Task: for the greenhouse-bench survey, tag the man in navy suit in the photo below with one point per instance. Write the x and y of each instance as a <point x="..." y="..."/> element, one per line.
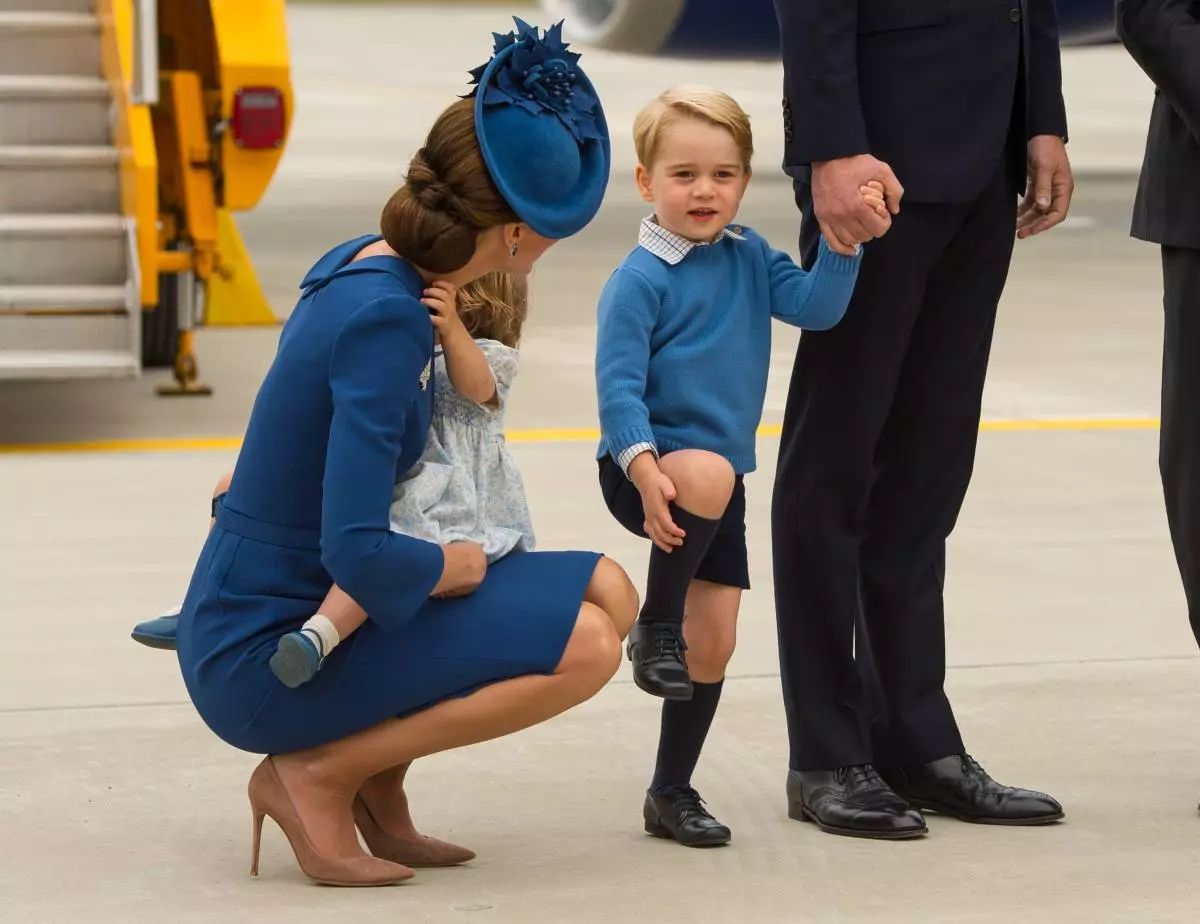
<point x="1163" y="36"/>
<point x="954" y="106"/>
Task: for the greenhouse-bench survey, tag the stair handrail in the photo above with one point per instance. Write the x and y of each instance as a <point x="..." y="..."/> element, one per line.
<point x="145" y="52"/>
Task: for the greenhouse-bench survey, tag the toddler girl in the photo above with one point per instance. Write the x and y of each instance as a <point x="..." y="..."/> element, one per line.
<point x="466" y="487"/>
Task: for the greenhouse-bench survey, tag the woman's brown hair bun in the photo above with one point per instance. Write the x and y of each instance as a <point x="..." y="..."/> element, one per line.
<point x="447" y="199"/>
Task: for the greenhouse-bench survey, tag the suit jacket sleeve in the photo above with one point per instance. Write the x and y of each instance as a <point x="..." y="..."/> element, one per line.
<point x="374" y="370"/>
<point x="1163" y="36"/>
<point x="823" y="117"/>
<point x="1047" y="112"/>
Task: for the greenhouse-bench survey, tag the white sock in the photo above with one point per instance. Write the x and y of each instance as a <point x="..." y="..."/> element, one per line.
<point x="326" y="634"/>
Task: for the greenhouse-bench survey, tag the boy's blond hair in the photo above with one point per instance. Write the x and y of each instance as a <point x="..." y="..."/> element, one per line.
<point x="494" y="307"/>
<point x="690" y="102"/>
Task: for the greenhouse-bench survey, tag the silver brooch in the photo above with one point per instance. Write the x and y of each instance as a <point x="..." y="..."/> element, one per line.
<point x="425" y="373"/>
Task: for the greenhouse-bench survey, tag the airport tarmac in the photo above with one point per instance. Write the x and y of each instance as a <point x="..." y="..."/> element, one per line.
<point x="1071" y="665"/>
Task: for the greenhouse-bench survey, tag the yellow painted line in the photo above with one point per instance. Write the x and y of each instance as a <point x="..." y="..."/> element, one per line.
<point x="550" y="435"/>
<point x="166" y="444"/>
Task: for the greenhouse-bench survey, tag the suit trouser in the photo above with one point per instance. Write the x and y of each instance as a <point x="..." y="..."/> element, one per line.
<point x="1179" y="438"/>
<point x="876" y="455"/>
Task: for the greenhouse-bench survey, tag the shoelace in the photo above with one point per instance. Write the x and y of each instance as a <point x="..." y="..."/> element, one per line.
<point x="665" y="642"/>
<point x="686" y="801"/>
<point x="863" y="775"/>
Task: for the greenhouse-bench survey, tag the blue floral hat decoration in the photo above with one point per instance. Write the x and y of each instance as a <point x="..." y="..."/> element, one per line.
<point x="542" y="130"/>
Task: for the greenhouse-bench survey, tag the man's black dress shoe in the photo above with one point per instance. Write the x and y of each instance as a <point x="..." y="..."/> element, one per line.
<point x="959" y="787"/>
<point x="678" y="812"/>
<point x="656" y="650"/>
<point x="853" y="801"/>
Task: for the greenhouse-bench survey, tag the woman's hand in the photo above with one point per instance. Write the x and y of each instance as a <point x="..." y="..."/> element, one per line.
<point x="463" y="572"/>
<point x="441" y="298"/>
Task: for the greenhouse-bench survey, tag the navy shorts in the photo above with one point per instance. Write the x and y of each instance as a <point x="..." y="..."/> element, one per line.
<point x="726" y="561"/>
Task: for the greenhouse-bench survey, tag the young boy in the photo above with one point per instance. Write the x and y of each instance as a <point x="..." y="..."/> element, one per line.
<point x="683" y="350"/>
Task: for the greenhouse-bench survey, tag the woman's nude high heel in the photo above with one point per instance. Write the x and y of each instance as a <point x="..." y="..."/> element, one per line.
<point x="269" y="797"/>
<point x="420" y="851"/>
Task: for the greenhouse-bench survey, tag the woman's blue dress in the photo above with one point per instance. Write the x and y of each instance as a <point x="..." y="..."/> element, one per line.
<point x="342" y="413"/>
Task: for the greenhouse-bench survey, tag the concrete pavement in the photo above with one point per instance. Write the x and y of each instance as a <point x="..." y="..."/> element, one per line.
<point x="1071" y="665"/>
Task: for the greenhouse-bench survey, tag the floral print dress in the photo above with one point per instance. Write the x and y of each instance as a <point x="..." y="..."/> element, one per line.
<point x="466" y="486"/>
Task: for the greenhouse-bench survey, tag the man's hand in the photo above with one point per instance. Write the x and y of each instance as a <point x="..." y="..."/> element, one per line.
<point x="463" y="572"/>
<point x="1051" y="186"/>
<point x="846" y="220"/>
<point x="657" y="491"/>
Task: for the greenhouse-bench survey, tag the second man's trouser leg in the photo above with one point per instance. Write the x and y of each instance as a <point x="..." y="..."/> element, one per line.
<point x="1179" y="439"/>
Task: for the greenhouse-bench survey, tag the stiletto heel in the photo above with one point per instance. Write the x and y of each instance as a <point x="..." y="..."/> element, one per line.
<point x="268" y="796"/>
<point x="256" y="837"/>
<point x="420" y="851"/>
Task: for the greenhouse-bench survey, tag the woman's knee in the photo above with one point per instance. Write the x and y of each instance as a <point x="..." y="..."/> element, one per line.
<point x="223" y="484"/>
<point x="612" y="591"/>
<point x="703" y="481"/>
<point x="593" y="651"/>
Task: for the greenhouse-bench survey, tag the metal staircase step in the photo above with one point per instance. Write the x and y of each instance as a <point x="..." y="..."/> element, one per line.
<point x="31" y="365"/>
<point x="59" y="179"/>
<point x="46" y="110"/>
<point x="32" y="249"/>
<point x="57" y="346"/>
<point x="48" y="6"/>
<point x="54" y="42"/>
<point x="58" y="299"/>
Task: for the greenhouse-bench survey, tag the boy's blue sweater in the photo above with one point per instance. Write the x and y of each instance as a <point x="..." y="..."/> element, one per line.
<point x="683" y="350"/>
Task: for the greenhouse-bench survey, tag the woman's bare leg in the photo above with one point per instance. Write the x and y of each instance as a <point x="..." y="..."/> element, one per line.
<point x="610" y="590"/>
<point x="323" y="781"/>
<point x="222" y="485"/>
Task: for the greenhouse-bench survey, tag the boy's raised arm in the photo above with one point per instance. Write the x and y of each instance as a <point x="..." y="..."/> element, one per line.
<point x="816" y="299"/>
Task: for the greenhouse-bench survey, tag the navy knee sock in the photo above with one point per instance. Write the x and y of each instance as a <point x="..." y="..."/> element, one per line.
<point x="685" y="725"/>
<point x="671" y="572"/>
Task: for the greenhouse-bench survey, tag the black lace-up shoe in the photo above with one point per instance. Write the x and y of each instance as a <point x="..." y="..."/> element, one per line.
<point x="959" y="787"/>
<point x="656" y="650"/>
<point x="678" y="812"/>
<point x="853" y="801"/>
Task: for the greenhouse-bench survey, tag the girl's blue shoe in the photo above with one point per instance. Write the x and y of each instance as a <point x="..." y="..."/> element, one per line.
<point x="160" y="632"/>
<point x="298" y="658"/>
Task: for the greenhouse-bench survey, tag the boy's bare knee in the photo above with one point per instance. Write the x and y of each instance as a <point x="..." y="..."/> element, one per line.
<point x="703" y="481"/>
<point x="709" y="657"/>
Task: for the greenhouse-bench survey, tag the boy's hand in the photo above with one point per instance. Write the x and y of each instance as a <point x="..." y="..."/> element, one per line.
<point x="441" y="298"/>
<point x="873" y="198"/>
<point x="657" y="491"/>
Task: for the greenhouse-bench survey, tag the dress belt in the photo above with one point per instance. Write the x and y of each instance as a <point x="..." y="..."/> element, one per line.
<point x="290" y="537"/>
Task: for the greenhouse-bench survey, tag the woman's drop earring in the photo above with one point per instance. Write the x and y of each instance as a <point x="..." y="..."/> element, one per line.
<point x="512" y="251"/>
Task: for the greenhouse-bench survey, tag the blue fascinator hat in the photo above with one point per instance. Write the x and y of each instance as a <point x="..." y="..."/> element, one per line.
<point x="542" y="130"/>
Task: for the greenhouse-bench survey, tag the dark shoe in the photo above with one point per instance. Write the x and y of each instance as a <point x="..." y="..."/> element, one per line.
<point x="959" y="787"/>
<point x="678" y="812"/>
<point x="853" y="801"/>
<point x="158" y="633"/>
<point x="656" y="650"/>
<point x="297" y="658"/>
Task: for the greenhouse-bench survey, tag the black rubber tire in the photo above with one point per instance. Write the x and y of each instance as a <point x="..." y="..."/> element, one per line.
<point x="160" y="326"/>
